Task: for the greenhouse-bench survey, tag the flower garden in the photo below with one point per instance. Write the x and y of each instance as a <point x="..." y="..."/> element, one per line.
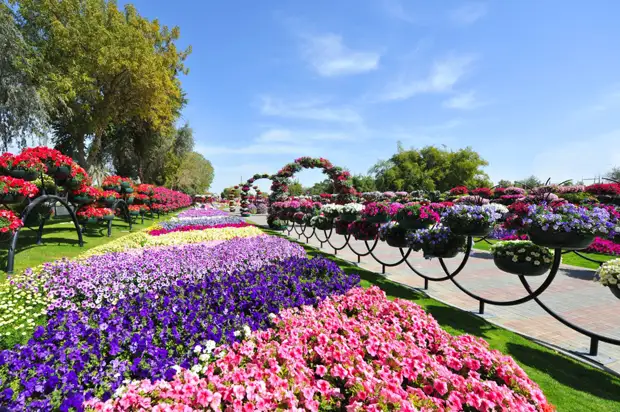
<point x="205" y="311"/>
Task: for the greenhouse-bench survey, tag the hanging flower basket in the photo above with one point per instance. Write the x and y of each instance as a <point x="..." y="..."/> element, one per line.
<point x="9" y="199"/>
<point x="560" y="240"/>
<point x="88" y="221"/>
<point x="298" y="217"/>
<point x="473" y="229"/>
<point x="521" y="257"/>
<point x="61" y="173"/>
<point x="322" y="222"/>
<point x="437" y="241"/>
<point x="363" y="230"/>
<point x="107" y="217"/>
<point x="379" y="218"/>
<point x="126" y="185"/>
<point x="413" y="224"/>
<point x="127" y="190"/>
<point x="615" y="290"/>
<point x="469" y="220"/>
<point x="348" y="217"/>
<point x="432" y="252"/>
<point x="130" y="200"/>
<point x="341" y="226"/>
<point x="397" y="238"/>
<point x="9" y="222"/>
<point x="506" y="264"/>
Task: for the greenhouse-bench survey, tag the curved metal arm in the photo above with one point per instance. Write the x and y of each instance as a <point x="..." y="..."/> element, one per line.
<point x="124" y="208"/>
<point x="595" y="337"/>
<point x="346" y="243"/>
<point x="598" y="262"/>
<point x="483" y="239"/>
<point x="557" y="259"/>
<point x="404" y="257"/>
<point x="13" y="244"/>
<point x="422" y="275"/>
<point x="370" y="249"/>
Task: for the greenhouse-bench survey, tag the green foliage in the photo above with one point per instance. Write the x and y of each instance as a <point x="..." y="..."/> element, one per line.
<point x="101" y="66"/>
<point x="529" y="182"/>
<point x="579" y="198"/>
<point x="295" y="189"/>
<point x="22" y="110"/>
<point x="504" y="183"/>
<point x="194" y="174"/>
<point x="430" y="168"/>
<point x="614" y="174"/>
<point x="325" y="186"/>
<point x="364" y="183"/>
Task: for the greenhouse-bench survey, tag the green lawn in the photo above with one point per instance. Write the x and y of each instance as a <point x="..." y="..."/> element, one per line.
<point x="568" y="259"/>
<point x="569" y="384"/>
<point x="60" y="240"/>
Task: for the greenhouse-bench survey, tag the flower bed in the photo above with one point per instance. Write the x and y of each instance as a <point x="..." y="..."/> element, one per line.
<point x="187" y="221"/>
<point x="146" y="335"/>
<point x="604" y="246"/>
<point x="357" y="352"/>
<point x="202" y="213"/>
<point x="187" y="228"/>
<point x="143" y="239"/>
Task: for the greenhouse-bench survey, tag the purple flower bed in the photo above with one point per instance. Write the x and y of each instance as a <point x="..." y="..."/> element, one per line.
<point x="201" y="221"/>
<point x="202" y="213"/>
<point x="80" y="355"/>
<point x="104" y="279"/>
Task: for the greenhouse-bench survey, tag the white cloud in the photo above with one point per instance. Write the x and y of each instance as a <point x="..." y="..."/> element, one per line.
<point x="278" y="135"/>
<point x="576" y="159"/>
<point x="253" y="149"/>
<point x="463" y="101"/>
<point x="468" y="13"/>
<point x="608" y="101"/>
<point x="444" y="74"/>
<point x="311" y="109"/>
<point x="330" y="57"/>
<point x="395" y="9"/>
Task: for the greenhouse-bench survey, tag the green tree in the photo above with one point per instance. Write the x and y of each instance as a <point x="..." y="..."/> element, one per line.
<point x="194" y="175"/>
<point x="529" y="182"/>
<point x="504" y="183"/>
<point x="295" y="189"/>
<point x="430" y="168"/>
<point x="363" y="183"/>
<point x="614" y="174"/>
<point x="102" y="66"/>
<point x="22" y="110"/>
<point x="324" y="186"/>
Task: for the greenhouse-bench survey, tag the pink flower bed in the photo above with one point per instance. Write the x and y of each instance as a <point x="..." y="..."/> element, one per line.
<point x="187" y="228"/>
<point x="605" y="246"/>
<point x="356" y="352"/>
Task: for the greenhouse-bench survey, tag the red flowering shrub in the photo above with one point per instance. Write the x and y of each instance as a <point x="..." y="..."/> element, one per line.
<point x="483" y="192"/>
<point x="610" y="189"/>
<point x="459" y="190"/>
<point x="145" y="189"/>
<point x="51" y="157"/>
<point x="93" y="212"/>
<point x="110" y="193"/>
<point x="9" y="221"/>
<point x="604" y="246"/>
<point x="86" y="190"/>
<point x="111" y="181"/>
<point x="10" y="185"/>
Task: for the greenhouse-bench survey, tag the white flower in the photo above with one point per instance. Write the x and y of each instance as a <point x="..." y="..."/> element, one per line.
<point x="515" y="258"/>
<point x="537" y="262"/>
<point x="197" y="349"/>
<point x="247" y="331"/>
<point x="196" y="368"/>
<point x="528" y="259"/>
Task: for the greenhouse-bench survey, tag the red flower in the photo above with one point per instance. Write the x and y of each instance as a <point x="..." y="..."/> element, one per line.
<point x="9" y="222"/>
<point x="459" y="190"/>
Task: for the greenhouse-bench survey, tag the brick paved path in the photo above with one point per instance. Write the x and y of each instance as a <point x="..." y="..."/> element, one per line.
<point x="573" y="295"/>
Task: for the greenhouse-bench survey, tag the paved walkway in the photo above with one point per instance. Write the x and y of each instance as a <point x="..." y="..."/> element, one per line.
<point x="573" y="295"/>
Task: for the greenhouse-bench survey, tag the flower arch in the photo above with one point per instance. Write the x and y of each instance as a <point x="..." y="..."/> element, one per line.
<point x="245" y="190"/>
<point x="341" y="179"/>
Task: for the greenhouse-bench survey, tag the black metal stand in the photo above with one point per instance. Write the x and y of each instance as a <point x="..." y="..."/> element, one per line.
<point x="532" y="295"/>
<point x="31" y="206"/>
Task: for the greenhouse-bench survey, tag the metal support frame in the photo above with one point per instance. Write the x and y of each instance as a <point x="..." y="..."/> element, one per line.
<point x="531" y="294"/>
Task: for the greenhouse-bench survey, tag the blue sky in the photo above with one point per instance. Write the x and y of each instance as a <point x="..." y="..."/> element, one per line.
<point x="534" y="86"/>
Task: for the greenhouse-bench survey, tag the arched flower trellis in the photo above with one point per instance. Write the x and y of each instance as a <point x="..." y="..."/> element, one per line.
<point x="341" y="179"/>
<point x="245" y="190"/>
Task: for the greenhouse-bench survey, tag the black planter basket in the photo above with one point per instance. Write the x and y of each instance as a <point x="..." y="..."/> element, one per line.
<point x="341" y="229"/>
<point x="615" y="290"/>
<point x="10" y="199"/>
<point x="443" y="253"/>
<point x="413" y="224"/>
<point x="560" y="240"/>
<point x="472" y="229"/>
<point x="397" y="240"/>
<point x="326" y="225"/>
<point x="348" y="217"/>
<point x="506" y="264"/>
<point x="380" y="218"/>
<point x="81" y="200"/>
